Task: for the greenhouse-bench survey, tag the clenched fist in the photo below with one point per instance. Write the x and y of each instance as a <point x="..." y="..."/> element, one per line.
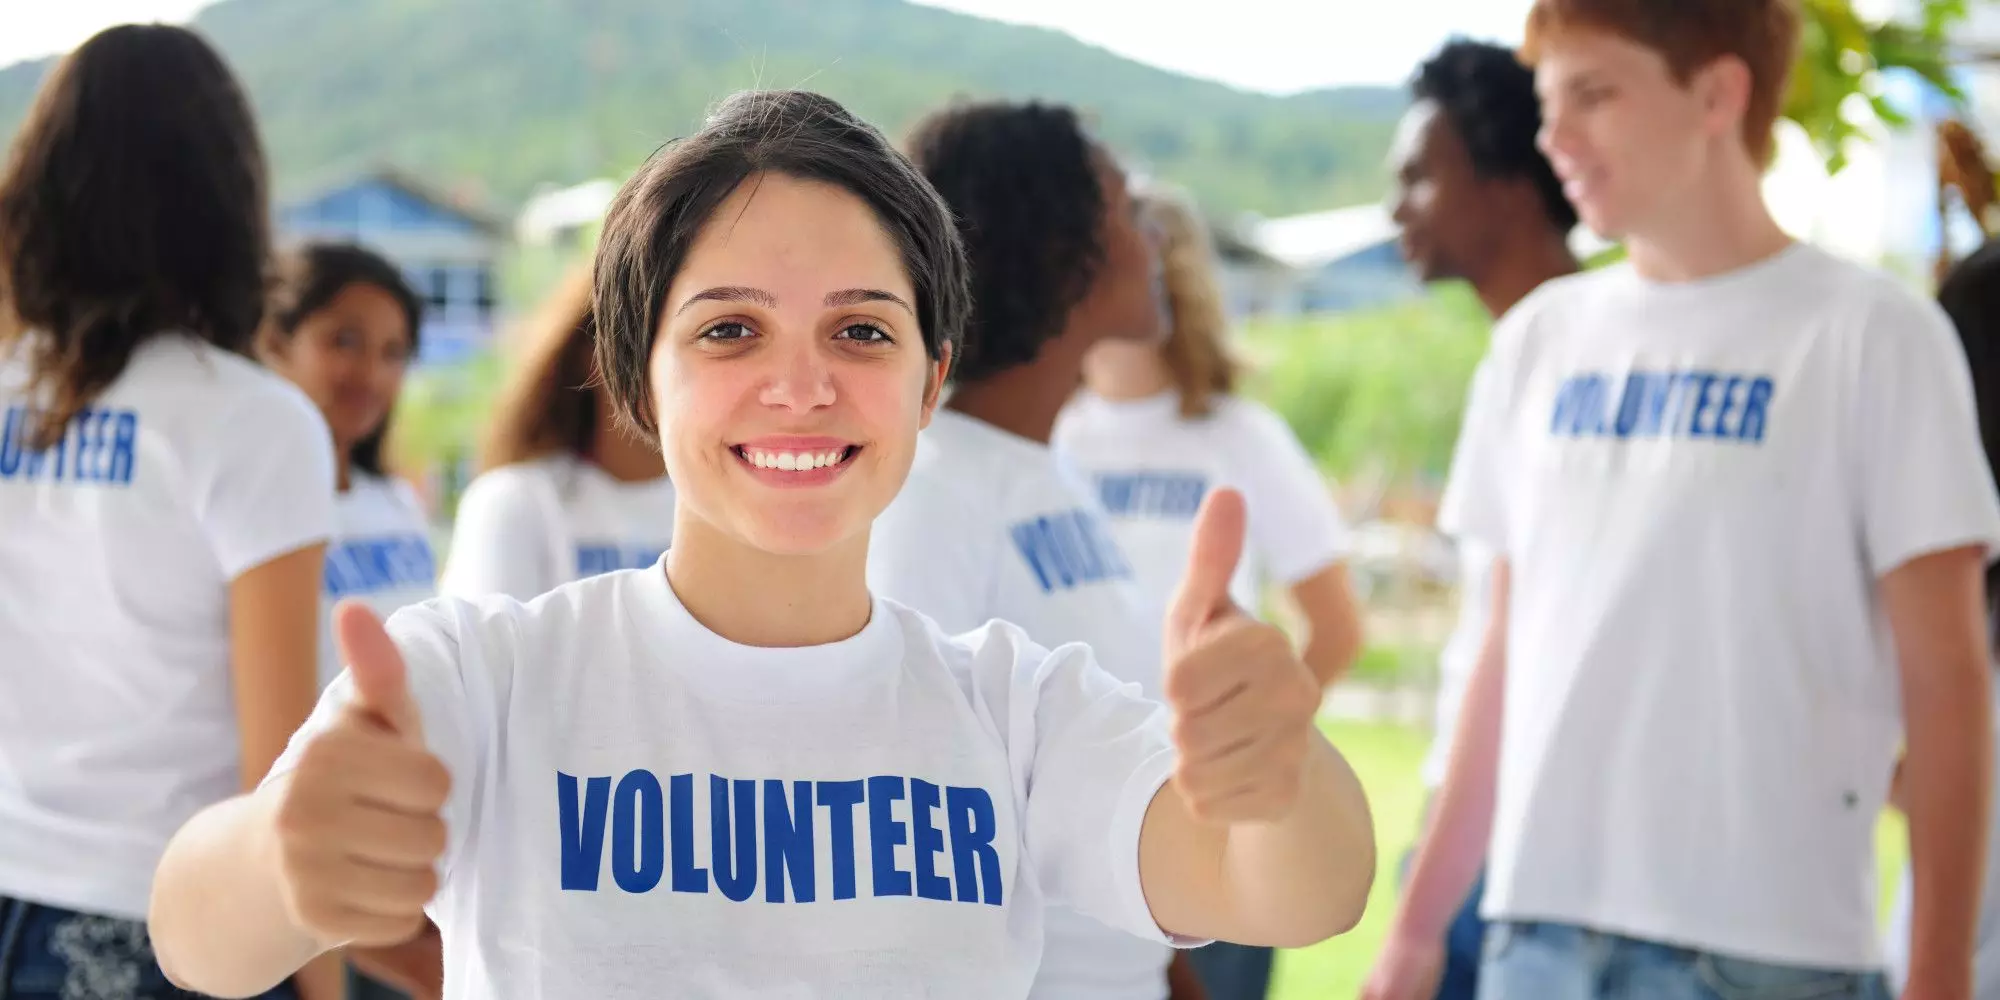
<point x="1243" y="702"/>
<point x="358" y="829"/>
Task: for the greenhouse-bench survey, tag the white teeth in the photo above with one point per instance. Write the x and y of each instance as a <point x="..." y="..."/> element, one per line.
<point x="788" y="461"/>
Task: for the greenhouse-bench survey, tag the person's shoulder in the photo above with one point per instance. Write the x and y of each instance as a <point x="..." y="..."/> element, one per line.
<point x="562" y="617"/>
<point x="235" y="393"/>
<point x="1235" y="411"/>
<point x="1893" y="315"/>
<point x="996" y="650"/>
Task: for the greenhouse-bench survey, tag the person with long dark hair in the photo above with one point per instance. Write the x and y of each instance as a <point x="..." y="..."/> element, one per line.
<point x="167" y="501"/>
<point x="738" y="772"/>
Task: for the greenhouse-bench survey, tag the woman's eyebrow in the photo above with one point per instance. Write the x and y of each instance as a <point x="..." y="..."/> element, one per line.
<point x="856" y="296"/>
<point x="730" y="293"/>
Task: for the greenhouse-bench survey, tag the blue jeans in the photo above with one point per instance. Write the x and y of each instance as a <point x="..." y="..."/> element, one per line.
<point x="1541" y="961"/>
<point x="1230" y="971"/>
<point x="47" y="953"/>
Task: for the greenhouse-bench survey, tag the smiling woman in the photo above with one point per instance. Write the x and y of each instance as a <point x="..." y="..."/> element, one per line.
<point x="781" y="286"/>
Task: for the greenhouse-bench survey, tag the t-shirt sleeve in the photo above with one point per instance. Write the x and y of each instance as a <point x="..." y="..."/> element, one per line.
<point x="1924" y="481"/>
<point x="500" y="540"/>
<point x="428" y="636"/>
<point x="270" y="489"/>
<point x="1294" y="525"/>
<point x="1475" y="502"/>
<point x="1101" y="752"/>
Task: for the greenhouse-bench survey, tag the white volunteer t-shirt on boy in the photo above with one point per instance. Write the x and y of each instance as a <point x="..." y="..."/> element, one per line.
<point x="674" y="814"/>
<point x="380" y="554"/>
<point x="1151" y="467"/>
<point x="526" y="528"/>
<point x="116" y="718"/>
<point x="989" y="526"/>
<point x="1698" y="487"/>
<point x="1460" y="654"/>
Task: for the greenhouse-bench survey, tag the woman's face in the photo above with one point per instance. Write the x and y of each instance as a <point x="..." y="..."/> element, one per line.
<point x="789" y="371"/>
<point x="350" y="356"/>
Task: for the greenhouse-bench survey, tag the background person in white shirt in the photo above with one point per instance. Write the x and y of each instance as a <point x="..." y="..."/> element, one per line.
<point x="1740" y="511"/>
<point x="1476" y="202"/>
<point x="343" y="328"/>
<point x="1970" y="295"/>
<point x="563" y="492"/>
<point x="167" y="502"/>
<point x="1156" y="427"/>
<point x="1159" y="424"/>
<point x="992" y="523"/>
<point x="848" y="802"/>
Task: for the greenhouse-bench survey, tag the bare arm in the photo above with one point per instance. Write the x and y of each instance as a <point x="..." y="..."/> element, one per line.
<point x="219" y="920"/>
<point x="1329" y="621"/>
<point x="1453" y="846"/>
<point x="343" y="847"/>
<point x="1287" y="883"/>
<point x="274" y="654"/>
<point x="1935" y="609"/>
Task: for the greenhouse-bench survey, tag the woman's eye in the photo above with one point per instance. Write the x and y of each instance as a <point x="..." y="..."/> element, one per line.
<point x="866" y="333"/>
<point x="726" y="331"/>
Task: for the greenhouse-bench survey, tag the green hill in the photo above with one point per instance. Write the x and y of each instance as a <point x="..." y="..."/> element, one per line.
<point x="494" y="97"/>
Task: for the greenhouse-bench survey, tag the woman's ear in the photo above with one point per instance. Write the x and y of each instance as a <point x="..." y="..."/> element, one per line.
<point x="940" y="370"/>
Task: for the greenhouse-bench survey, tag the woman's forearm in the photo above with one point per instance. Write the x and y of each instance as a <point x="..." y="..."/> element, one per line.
<point x="219" y="923"/>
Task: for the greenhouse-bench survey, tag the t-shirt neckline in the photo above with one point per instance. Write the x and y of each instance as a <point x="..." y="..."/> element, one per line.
<point x="725" y="669"/>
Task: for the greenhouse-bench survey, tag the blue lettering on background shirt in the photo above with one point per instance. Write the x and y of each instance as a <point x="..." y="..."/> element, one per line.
<point x="594" y="559"/>
<point x="1069" y="549"/>
<point x="386" y="562"/>
<point x="99" y="446"/>
<point x="1163" y="495"/>
<point x="653" y="834"/>
<point x="1702" y="405"/>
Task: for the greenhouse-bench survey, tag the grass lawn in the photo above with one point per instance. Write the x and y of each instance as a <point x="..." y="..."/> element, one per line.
<point x="1387" y="758"/>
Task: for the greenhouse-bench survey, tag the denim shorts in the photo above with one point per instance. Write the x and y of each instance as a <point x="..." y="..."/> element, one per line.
<point x="1548" y="961"/>
<point x="49" y="953"/>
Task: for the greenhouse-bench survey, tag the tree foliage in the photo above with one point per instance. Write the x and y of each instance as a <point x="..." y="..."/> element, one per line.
<point x="1841" y="54"/>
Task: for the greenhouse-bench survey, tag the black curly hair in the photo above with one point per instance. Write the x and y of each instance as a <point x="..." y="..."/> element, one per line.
<point x="1489" y="98"/>
<point x="1022" y="181"/>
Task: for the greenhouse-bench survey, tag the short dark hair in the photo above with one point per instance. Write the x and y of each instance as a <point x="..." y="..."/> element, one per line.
<point x="658" y="213"/>
<point x="132" y="204"/>
<point x="1022" y="180"/>
<point x="310" y="277"/>
<point x="1488" y="96"/>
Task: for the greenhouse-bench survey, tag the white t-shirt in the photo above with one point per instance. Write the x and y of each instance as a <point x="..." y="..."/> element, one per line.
<point x="1460" y="654"/>
<point x="677" y="815"/>
<point x="1986" y="959"/>
<point x="1151" y="468"/>
<point x="1698" y="487"/>
<point x="380" y="554"/>
<point x="991" y="525"/>
<point x="524" y="529"/>
<point x="117" y="721"/>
